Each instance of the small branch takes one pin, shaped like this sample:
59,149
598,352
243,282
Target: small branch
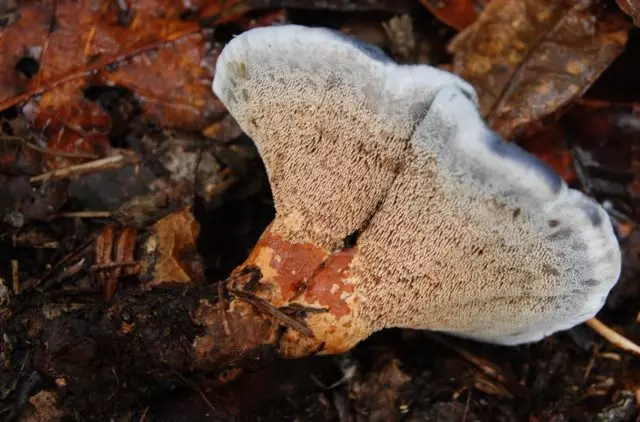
84,214
15,280
488,368
612,337
268,309
49,151
63,154
102,164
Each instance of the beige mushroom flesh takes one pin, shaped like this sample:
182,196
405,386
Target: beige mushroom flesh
396,206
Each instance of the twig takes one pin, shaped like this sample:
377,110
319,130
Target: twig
295,307
48,151
599,104
466,407
488,368
144,414
271,310
223,304
612,337
15,280
115,374
112,265
108,163
592,361
63,154
484,365
84,214
196,388
99,65
64,262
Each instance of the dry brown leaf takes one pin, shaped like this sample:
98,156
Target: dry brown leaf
529,58
631,8
45,408
170,254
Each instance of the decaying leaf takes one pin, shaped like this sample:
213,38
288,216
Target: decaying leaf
548,145
458,14
170,253
530,58
54,53
378,393
631,8
44,407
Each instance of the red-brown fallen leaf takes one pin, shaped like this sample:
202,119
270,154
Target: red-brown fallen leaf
606,153
55,50
111,263
530,58
456,13
548,145
631,8
51,51
53,43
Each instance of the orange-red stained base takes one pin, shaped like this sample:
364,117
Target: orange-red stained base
304,274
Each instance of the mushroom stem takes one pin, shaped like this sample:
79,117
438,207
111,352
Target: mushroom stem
311,282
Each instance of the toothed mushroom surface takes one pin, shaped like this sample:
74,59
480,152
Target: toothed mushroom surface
455,230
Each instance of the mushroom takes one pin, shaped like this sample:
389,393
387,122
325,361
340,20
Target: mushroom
396,206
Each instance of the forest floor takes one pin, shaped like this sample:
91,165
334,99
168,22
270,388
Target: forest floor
110,136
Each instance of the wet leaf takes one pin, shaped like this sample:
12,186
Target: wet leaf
548,145
54,52
456,13
530,58
631,8
604,145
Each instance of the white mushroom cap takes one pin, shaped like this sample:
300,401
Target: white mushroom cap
458,231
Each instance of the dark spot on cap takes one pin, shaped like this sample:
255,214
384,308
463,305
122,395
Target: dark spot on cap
243,72
592,214
231,96
419,110
245,94
548,269
334,81
590,282
516,212
561,234
579,246
553,223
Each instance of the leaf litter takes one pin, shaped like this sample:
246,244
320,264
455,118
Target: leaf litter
129,82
